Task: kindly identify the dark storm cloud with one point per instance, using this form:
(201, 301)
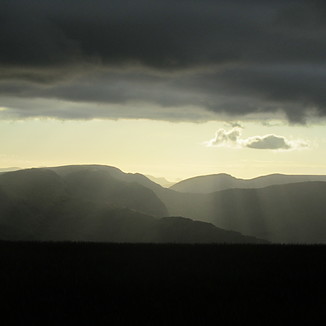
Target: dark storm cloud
(230, 57)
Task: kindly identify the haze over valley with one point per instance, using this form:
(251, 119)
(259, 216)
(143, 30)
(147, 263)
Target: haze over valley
(102, 203)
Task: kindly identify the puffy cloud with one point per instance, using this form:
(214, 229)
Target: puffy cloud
(231, 58)
(267, 142)
(232, 139)
(273, 142)
(224, 138)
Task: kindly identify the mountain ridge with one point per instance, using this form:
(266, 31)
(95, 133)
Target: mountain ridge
(281, 213)
(289, 213)
(222, 181)
(91, 205)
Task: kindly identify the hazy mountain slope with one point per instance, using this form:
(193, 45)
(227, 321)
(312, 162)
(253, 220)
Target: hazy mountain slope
(109, 170)
(161, 181)
(279, 179)
(39, 186)
(66, 199)
(38, 204)
(217, 182)
(207, 183)
(100, 186)
(45, 186)
(283, 213)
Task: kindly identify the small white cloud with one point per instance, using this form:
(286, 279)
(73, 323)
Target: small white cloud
(232, 139)
(224, 138)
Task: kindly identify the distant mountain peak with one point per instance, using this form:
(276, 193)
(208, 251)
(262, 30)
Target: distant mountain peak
(222, 181)
(161, 181)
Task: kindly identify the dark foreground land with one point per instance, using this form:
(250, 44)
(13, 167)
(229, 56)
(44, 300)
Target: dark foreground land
(85, 283)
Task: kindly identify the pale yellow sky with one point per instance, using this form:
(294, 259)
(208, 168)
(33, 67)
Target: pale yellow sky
(162, 149)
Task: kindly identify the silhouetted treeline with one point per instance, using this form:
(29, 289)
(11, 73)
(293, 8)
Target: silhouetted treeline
(146, 284)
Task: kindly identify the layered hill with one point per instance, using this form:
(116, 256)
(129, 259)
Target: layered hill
(94, 203)
(290, 213)
(216, 182)
(67, 202)
(91, 183)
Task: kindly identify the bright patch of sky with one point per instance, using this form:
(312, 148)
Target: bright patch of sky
(158, 148)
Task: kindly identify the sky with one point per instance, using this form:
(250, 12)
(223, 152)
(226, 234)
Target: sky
(166, 88)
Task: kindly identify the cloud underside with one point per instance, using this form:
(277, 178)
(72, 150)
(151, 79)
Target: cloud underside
(185, 60)
(232, 139)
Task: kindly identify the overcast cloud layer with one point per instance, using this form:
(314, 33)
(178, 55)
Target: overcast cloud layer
(162, 59)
